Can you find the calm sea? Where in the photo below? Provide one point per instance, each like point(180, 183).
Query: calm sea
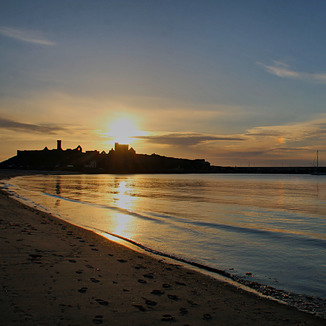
point(269, 229)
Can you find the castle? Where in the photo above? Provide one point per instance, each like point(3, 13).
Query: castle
point(121, 159)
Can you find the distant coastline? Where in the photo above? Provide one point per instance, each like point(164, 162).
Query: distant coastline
point(124, 160)
point(266, 170)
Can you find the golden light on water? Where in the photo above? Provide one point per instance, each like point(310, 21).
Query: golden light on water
point(122, 198)
point(124, 224)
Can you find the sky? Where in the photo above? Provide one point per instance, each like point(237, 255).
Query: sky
point(238, 83)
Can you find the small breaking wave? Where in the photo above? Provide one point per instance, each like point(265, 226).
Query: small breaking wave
point(310, 304)
point(187, 223)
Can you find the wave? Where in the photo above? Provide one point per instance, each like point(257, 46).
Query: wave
point(183, 223)
point(310, 304)
point(192, 225)
point(115, 208)
point(269, 233)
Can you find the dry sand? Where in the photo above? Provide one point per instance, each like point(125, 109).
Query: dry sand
point(53, 273)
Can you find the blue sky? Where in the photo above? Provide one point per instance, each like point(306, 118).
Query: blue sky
point(234, 82)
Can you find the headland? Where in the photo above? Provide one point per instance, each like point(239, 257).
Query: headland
point(123, 159)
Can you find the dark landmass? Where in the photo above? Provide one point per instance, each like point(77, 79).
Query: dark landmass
point(118, 160)
point(269, 170)
point(123, 159)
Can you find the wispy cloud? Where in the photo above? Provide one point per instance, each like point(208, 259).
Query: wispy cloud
point(30, 36)
point(312, 132)
point(290, 144)
point(185, 139)
point(30, 128)
point(283, 70)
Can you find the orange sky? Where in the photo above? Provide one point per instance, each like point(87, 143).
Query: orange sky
point(231, 82)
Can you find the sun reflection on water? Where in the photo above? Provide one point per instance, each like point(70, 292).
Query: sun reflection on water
point(122, 197)
point(124, 224)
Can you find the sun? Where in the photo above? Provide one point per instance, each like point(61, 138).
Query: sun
point(123, 130)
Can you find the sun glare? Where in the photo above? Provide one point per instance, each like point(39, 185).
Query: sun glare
point(123, 131)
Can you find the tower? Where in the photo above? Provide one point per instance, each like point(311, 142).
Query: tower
point(121, 148)
point(59, 145)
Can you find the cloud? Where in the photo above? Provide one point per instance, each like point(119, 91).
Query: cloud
point(30, 128)
point(290, 149)
point(282, 70)
point(185, 139)
point(312, 132)
point(292, 144)
point(25, 35)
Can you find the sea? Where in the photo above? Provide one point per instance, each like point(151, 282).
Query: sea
point(264, 232)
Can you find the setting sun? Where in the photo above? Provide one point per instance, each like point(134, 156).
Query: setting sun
point(123, 130)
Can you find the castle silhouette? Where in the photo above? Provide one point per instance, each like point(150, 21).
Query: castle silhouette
point(121, 159)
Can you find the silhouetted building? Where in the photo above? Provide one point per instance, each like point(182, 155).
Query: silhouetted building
point(119, 148)
point(59, 148)
point(121, 159)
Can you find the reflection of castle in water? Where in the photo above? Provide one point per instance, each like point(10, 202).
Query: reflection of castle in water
point(121, 159)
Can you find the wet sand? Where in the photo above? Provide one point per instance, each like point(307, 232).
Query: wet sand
point(53, 273)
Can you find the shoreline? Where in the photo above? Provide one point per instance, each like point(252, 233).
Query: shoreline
point(56, 273)
point(303, 302)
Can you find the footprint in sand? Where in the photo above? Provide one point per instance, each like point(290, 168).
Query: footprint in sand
point(142, 281)
point(183, 311)
point(94, 280)
point(139, 307)
point(98, 320)
point(192, 303)
point(140, 267)
point(148, 276)
point(166, 286)
point(82, 290)
point(102, 302)
point(207, 317)
point(35, 256)
point(150, 302)
point(173, 297)
point(157, 292)
point(180, 283)
point(167, 318)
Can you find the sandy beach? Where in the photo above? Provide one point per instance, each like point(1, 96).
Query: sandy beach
point(54, 273)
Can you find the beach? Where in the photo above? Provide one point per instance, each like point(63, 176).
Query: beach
point(54, 273)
